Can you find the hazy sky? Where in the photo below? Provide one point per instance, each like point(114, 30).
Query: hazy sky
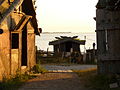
point(66, 15)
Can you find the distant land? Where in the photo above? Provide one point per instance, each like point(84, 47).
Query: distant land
point(65, 32)
point(56, 32)
point(42, 42)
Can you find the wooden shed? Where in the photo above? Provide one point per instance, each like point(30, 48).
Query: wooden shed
point(108, 35)
point(67, 44)
point(18, 27)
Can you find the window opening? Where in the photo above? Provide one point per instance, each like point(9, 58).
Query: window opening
point(15, 40)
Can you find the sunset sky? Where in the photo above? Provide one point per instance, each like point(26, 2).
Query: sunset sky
point(66, 15)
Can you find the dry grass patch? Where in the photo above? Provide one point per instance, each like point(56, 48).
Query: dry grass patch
point(91, 80)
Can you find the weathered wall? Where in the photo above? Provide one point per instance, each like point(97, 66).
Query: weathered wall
point(10, 59)
point(31, 46)
point(14, 60)
point(4, 50)
point(106, 66)
point(16, 53)
point(108, 38)
point(106, 19)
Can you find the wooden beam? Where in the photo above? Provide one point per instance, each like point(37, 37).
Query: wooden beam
point(22, 22)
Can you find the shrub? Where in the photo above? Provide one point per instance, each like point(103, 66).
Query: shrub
point(39, 69)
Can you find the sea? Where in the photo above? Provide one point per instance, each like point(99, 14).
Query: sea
point(42, 41)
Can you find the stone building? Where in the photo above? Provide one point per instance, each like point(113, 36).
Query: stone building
point(18, 27)
point(108, 35)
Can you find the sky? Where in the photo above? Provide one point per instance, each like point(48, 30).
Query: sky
point(66, 15)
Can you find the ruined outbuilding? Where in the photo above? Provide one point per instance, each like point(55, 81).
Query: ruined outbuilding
point(66, 44)
point(108, 35)
point(18, 27)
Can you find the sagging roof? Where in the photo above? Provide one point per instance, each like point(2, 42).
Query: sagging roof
point(64, 39)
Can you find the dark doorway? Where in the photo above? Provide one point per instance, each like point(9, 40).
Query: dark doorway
point(24, 47)
point(68, 46)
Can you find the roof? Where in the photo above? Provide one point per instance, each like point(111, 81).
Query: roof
point(67, 39)
point(7, 7)
point(28, 9)
point(108, 4)
point(101, 4)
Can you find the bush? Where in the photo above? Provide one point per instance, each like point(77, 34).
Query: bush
point(38, 69)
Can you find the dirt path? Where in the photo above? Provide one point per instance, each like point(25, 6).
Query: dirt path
point(54, 81)
point(60, 78)
point(68, 67)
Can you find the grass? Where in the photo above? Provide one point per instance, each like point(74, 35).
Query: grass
point(52, 59)
point(39, 69)
point(15, 82)
point(91, 80)
point(19, 79)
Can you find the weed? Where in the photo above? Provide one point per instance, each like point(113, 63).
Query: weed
point(14, 82)
point(39, 69)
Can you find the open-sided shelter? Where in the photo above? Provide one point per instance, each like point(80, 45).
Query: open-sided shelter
point(67, 44)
